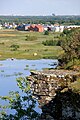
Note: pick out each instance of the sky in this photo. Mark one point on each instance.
(39, 7)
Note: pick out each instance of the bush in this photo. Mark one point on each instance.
(52, 43)
(30, 38)
(46, 32)
(14, 47)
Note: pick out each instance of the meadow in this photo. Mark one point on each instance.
(24, 45)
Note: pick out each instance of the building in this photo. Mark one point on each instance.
(72, 26)
(32, 27)
(39, 28)
(0, 27)
(26, 27)
(61, 28)
(45, 27)
(57, 29)
(36, 27)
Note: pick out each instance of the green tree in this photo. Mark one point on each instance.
(22, 104)
(46, 32)
(71, 45)
(14, 47)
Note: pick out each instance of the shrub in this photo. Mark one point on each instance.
(46, 32)
(51, 43)
(14, 47)
(30, 38)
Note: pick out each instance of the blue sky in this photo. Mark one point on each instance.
(39, 7)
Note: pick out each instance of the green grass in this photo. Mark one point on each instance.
(76, 86)
(27, 48)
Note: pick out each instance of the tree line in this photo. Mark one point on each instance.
(65, 20)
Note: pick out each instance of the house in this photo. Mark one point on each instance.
(26, 27)
(36, 27)
(45, 27)
(32, 27)
(39, 28)
(61, 28)
(0, 27)
(14, 26)
(20, 27)
(56, 28)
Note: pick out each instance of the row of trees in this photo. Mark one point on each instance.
(41, 19)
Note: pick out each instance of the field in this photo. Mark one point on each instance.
(24, 45)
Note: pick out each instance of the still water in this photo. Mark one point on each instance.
(65, 106)
(12, 69)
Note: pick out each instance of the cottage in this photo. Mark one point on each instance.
(35, 27)
(27, 27)
(32, 27)
(39, 28)
(20, 27)
(56, 29)
(45, 27)
(61, 28)
(0, 26)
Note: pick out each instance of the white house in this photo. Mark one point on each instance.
(26, 27)
(0, 27)
(72, 26)
(45, 27)
(61, 28)
(57, 29)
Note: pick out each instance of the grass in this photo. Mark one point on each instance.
(76, 86)
(27, 48)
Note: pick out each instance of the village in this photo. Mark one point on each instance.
(37, 27)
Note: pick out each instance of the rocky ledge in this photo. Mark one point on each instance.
(45, 84)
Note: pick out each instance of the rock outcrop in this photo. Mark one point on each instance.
(45, 84)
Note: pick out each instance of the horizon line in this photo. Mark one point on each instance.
(41, 15)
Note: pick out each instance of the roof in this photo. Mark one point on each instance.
(39, 26)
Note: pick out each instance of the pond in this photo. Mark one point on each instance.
(12, 69)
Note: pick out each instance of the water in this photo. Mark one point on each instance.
(64, 106)
(12, 69)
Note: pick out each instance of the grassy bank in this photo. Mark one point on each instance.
(28, 43)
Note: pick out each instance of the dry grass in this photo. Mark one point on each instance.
(7, 35)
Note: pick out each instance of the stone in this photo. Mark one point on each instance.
(48, 98)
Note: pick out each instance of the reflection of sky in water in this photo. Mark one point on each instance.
(12, 69)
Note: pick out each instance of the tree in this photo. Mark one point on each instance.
(71, 45)
(22, 104)
(46, 32)
(14, 47)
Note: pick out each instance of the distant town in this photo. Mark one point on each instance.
(39, 23)
(37, 27)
